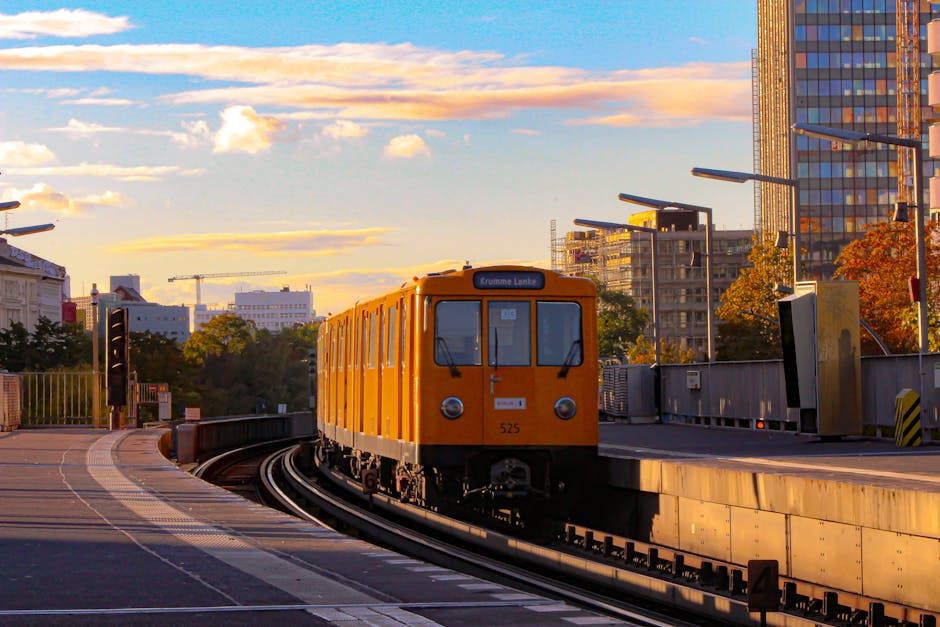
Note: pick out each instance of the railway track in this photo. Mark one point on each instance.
(297, 493)
(586, 567)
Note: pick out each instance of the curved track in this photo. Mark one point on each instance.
(296, 493)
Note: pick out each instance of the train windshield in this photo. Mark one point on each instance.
(559, 334)
(457, 333)
(509, 333)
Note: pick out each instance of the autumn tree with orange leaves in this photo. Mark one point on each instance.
(883, 262)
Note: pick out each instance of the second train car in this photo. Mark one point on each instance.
(470, 386)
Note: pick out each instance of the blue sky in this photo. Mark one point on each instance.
(354, 144)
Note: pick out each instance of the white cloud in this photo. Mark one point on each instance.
(43, 197)
(407, 146)
(345, 129)
(526, 131)
(104, 102)
(243, 130)
(698, 41)
(123, 173)
(23, 154)
(433, 132)
(60, 23)
(194, 133)
(315, 243)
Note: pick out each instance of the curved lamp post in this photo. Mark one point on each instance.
(654, 203)
(794, 185)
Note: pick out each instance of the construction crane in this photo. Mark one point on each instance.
(218, 275)
(908, 93)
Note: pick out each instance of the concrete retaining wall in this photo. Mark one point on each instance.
(198, 441)
(876, 539)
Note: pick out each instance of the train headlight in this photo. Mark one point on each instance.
(566, 408)
(452, 408)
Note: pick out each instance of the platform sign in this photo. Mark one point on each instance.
(763, 586)
(370, 481)
(193, 414)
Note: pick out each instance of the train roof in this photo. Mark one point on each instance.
(504, 278)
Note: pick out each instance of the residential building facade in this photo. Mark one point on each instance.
(30, 288)
(275, 310)
(621, 259)
(832, 63)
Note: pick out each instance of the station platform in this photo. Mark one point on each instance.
(856, 515)
(99, 528)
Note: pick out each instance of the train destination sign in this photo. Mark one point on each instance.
(509, 280)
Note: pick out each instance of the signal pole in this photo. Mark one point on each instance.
(95, 382)
(118, 365)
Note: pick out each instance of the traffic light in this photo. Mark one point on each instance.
(118, 352)
(312, 362)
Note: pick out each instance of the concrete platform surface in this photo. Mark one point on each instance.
(98, 528)
(859, 460)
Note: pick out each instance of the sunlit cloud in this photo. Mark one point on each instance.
(436, 133)
(525, 131)
(123, 173)
(345, 129)
(407, 146)
(304, 242)
(104, 102)
(406, 82)
(243, 130)
(43, 197)
(60, 23)
(22, 154)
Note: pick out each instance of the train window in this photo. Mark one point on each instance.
(559, 333)
(342, 347)
(509, 331)
(365, 341)
(457, 336)
(391, 341)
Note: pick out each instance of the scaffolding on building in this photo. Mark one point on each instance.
(755, 134)
(908, 90)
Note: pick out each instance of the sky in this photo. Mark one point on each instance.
(356, 144)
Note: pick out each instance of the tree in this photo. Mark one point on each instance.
(643, 351)
(882, 262)
(618, 322)
(748, 310)
(51, 345)
(223, 335)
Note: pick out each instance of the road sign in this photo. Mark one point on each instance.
(763, 586)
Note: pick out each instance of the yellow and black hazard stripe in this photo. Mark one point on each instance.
(907, 419)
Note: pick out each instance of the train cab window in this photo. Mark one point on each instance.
(457, 333)
(509, 331)
(559, 333)
(391, 340)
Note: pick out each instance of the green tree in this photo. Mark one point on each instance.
(748, 312)
(221, 336)
(618, 322)
(14, 347)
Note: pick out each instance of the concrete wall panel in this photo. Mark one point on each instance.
(705, 528)
(757, 535)
(826, 553)
(901, 568)
(658, 519)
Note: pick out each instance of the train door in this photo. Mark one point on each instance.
(371, 405)
(509, 376)
(341, 376)
(390, 373)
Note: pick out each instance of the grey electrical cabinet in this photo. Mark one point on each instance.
(819, 332)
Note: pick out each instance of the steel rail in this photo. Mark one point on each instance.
(408, 540)
(218, 464)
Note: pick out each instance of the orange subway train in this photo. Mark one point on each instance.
(477, 385)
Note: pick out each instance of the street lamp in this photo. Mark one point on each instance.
(665, 204)
(793, 184)
(859, 137)
(95, 384)
(596, 224)
(27, 230)
(11, 204)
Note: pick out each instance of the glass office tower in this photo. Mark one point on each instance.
(831, 62)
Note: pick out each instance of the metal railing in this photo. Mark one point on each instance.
(60, 398)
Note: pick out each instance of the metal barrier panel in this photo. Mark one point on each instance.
(214, 436)
(745, 391)
(11, 408)
(59, 398)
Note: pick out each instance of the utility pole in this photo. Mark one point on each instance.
(96, 383)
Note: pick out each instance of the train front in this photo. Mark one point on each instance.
(509, 382)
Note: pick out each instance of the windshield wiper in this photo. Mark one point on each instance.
(569, 359)
(454, 373)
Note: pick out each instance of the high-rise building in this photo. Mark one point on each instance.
(832, 63)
